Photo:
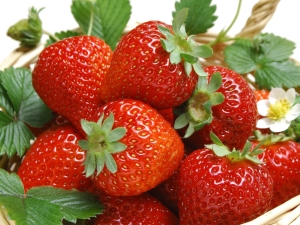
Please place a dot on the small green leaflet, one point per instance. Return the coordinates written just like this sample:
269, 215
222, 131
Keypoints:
61, 35
20, 104
201, 15
45, 205
266, 56
105, 19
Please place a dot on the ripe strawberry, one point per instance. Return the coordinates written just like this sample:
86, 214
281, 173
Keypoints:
68, 75
142, 69
55, 159
147, 150
281, 158
138, 209
261, 94
222, 188
233, 118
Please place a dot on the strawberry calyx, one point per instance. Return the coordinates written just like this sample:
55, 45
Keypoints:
236, 155
197, 111
102, 141
271, 138
183, 47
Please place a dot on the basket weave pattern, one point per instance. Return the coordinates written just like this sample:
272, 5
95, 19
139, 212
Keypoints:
262, 12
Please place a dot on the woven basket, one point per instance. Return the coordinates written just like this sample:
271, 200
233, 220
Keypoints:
287, 213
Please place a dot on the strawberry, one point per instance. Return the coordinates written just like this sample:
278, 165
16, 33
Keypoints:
141, 69
68, 75
138, 209
281, 158
231, 113
218, 185
55, 159
129, 147
261, 94
155, 63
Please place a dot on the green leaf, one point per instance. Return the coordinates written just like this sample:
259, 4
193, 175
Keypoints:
14, 137
20, 105
275, 48
61, 35
241, 56
45, 205
201, 15
267, 57
278, 74
105, 19
27, 105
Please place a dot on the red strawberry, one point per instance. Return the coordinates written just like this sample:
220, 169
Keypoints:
222, 189
281, 158
142, 69
232, 119
261, 94
68, 75
168, 115
138, 209
132, 148
55, 159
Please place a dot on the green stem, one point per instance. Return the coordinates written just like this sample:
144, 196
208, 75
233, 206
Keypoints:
51, 35
222, 34
91, 22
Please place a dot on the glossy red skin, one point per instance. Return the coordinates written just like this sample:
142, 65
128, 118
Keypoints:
138, 209
55, 159
213, 190
261, 94
282, 161
154, 149
68, 75
141, 69
234, 120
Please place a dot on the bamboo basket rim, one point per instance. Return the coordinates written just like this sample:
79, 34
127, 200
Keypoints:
287, 213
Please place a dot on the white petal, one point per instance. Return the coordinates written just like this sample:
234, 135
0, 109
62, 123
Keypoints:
293, 113
264, 123
276, 94
291, 95
263, 107
280, 125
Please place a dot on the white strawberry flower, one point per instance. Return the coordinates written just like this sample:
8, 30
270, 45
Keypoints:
278, 110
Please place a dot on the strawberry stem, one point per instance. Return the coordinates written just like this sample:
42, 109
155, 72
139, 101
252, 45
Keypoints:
221, 36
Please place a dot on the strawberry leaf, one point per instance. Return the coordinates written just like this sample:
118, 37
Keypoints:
44, 205
19, 104
267, 57
201, 15
61, 35
105, 19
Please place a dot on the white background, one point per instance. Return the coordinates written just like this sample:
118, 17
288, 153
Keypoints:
57, 16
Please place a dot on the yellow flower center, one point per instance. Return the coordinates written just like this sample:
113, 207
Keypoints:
279, 109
